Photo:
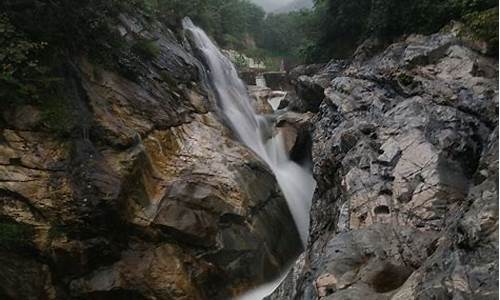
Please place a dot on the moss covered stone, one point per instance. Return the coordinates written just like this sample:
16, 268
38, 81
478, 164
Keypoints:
57, 115
15, 235
148, 49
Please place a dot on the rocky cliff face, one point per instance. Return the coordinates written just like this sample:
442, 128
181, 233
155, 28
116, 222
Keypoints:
405, 152
149, 197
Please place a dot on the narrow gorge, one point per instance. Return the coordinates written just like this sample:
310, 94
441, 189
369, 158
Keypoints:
158, 173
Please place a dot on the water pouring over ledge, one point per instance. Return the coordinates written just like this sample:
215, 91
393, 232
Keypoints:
295, 181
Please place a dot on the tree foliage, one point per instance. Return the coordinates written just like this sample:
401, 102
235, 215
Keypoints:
347, 23
228, 21
484, 25
283, 33
20, 70
36, 36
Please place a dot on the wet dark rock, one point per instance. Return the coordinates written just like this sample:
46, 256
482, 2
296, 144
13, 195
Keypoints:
25, 117
277, 81
295, 104
310, 93
35, 283
310, 89
249, 77
295, 129
284, 104
308, 70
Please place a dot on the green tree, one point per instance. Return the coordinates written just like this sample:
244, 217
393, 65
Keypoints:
347, 23
21, 74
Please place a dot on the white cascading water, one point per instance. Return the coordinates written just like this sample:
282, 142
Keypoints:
295, 181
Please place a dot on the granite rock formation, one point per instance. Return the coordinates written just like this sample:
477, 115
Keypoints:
405, 153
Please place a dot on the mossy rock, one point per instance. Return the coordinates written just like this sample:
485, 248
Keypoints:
56, 231
171, 81
57, 115
405, 80
15, 235
148, 49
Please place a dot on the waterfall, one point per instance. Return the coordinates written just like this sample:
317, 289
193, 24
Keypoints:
296, 182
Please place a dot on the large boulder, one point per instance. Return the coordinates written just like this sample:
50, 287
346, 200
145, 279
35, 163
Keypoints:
310, 93
307, 70
277, 80
261, 96
310, 88
295, 129
249, 77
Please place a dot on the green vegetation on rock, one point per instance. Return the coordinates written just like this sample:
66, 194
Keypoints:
57, 115
484, 25
15, 235
21, 74
347, 23
147, 49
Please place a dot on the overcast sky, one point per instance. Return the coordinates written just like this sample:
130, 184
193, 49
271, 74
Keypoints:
270, 5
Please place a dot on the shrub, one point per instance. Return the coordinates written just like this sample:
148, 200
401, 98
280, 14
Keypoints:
148, 49
20, 69
347, 23
484, 25
57, 114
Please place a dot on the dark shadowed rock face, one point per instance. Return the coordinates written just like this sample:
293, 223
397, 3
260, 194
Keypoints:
296, 131
277, 80
405, 151
148, 198
310, 83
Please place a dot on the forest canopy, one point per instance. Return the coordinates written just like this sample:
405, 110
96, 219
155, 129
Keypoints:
334, 28
346, 23
36, 33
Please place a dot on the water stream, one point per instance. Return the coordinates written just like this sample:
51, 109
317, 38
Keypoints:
296, 182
